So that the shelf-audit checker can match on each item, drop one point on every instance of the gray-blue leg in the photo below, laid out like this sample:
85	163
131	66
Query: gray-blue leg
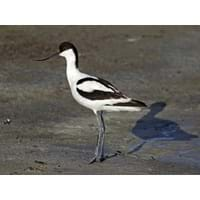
99	152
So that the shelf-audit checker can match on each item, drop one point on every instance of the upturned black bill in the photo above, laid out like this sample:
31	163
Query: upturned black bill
43	59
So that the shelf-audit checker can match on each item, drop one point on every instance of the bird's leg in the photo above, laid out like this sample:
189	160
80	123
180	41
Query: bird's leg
99	152
100	145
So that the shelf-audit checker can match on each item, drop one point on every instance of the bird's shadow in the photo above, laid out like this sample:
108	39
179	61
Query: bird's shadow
151	128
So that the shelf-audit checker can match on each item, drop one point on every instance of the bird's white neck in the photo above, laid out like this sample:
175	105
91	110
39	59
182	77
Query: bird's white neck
71	65
70	56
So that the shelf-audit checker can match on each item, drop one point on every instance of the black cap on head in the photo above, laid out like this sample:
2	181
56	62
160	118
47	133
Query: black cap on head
65	46
68	45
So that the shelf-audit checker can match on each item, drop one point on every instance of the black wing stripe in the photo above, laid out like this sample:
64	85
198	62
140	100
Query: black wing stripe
108	84
85	79
99	80
132	103
100	95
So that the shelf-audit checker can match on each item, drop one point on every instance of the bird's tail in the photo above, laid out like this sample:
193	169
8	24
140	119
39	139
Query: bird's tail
132	105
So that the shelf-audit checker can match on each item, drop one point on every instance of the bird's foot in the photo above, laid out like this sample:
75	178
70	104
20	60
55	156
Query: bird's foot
102	158
97	159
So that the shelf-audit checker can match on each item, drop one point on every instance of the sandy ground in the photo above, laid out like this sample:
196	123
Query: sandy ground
50	133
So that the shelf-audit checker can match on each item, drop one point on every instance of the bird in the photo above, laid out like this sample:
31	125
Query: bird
94	93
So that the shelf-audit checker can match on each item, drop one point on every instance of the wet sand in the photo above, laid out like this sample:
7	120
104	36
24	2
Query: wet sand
50	133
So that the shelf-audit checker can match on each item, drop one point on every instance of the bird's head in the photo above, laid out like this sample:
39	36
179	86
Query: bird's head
66	49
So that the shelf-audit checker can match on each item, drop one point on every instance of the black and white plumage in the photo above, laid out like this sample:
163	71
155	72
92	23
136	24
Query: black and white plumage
94	93
105	95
